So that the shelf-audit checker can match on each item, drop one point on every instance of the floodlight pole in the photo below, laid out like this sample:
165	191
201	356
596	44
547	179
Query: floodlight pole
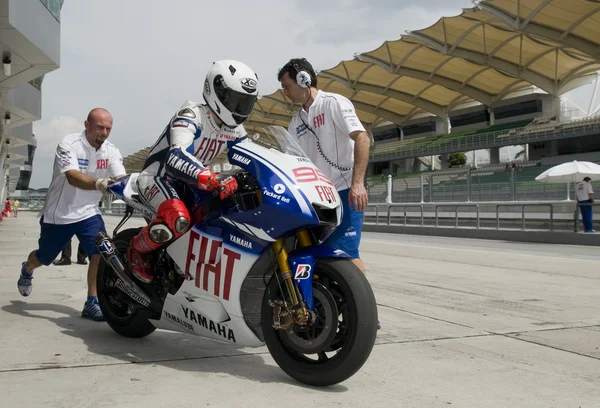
589	112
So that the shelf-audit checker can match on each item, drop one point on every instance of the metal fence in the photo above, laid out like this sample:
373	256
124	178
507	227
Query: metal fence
526	215
492	183
531	215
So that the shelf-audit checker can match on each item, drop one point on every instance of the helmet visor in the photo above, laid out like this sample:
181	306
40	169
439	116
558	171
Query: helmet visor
238	103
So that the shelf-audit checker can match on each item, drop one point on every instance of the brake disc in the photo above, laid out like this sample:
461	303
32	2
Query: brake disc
305	339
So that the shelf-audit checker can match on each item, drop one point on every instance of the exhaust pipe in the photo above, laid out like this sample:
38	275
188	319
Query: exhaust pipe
109	253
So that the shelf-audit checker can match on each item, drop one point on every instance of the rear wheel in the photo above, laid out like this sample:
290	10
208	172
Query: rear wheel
342	336
121	316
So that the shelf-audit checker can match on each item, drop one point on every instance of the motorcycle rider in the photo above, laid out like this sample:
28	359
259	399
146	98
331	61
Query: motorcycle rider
193	138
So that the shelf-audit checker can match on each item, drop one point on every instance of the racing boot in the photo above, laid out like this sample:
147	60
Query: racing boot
172	221
139	264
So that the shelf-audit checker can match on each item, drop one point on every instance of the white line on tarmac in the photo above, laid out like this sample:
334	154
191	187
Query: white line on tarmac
495	251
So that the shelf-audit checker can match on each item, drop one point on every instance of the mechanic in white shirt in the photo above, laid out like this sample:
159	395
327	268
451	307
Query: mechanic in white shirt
84	165
328	130
585	196
332	136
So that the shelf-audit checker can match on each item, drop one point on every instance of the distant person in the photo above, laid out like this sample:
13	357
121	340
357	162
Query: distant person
83	165
585	198
65	258
16	205
7	211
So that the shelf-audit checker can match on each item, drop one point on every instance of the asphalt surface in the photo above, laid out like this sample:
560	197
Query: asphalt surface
466	323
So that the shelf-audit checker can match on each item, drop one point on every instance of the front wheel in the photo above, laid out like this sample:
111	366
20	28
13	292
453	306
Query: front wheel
342	336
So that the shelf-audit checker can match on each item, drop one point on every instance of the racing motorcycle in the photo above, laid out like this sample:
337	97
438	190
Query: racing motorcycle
251	270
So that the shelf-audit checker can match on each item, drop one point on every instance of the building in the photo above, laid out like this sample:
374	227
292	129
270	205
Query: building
30	46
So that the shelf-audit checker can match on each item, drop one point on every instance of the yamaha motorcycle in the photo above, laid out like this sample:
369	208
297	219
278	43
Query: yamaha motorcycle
251	270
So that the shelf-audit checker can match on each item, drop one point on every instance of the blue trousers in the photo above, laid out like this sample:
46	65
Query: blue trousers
54	237
586	215
347	236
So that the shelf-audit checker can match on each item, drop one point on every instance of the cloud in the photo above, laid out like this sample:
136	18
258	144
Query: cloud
365	25
48	134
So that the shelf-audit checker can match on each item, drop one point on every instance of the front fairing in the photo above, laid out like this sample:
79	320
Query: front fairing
294	193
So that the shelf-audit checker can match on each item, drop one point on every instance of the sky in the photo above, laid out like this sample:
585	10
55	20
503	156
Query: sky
142	59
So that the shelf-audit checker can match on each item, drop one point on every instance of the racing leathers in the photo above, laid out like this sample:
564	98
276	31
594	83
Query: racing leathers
188	144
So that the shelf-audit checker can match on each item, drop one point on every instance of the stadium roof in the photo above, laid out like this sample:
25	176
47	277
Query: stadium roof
134	162
482	55
573	23
479	37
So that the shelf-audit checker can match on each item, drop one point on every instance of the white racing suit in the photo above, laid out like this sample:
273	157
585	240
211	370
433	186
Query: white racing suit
188	144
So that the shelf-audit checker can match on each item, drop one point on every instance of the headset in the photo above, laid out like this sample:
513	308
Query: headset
302	77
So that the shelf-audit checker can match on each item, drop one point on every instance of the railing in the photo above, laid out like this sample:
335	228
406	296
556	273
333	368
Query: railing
542	215
490	183
554	216
523	206
437	224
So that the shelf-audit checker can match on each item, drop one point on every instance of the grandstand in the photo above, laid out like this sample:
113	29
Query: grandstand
455	141
485	184
514	133
488	78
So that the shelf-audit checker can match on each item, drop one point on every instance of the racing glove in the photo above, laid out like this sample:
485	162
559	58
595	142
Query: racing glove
210	181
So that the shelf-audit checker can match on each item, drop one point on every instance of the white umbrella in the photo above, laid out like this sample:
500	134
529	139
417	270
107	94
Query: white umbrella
118	202
570	172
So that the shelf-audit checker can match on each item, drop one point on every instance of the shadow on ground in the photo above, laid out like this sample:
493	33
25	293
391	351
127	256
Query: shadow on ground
178	351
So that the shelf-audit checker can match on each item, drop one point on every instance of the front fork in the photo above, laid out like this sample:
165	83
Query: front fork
286	314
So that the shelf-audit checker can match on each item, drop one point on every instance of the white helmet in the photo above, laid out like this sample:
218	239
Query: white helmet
231	89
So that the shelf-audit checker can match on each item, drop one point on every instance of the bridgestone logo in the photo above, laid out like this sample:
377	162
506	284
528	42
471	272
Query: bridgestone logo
179	321
131	293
